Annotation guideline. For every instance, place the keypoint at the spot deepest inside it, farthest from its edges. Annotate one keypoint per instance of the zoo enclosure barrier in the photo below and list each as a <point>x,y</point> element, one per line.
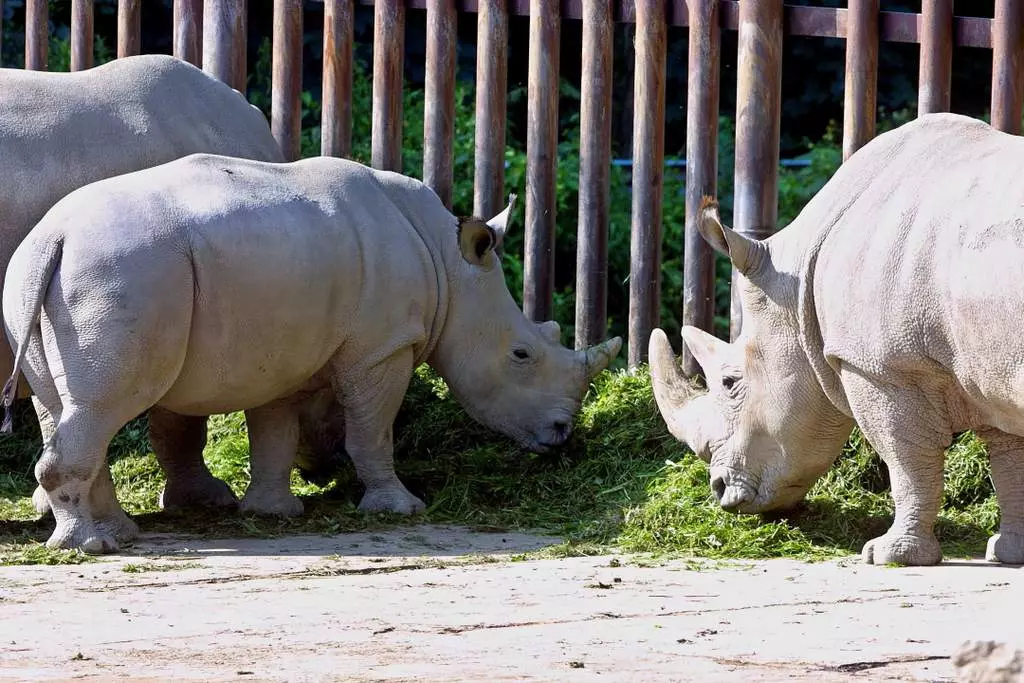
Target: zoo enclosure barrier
<point>212,34</point>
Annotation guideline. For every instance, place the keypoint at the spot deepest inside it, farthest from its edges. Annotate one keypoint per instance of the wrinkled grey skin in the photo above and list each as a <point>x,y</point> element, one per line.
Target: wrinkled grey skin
<point>893,301</point>
<point>243,285</point>
<point>60,131</point>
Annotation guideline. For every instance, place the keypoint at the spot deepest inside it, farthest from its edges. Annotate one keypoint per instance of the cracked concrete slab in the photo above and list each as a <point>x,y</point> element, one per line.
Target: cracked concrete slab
<point>448,604</point>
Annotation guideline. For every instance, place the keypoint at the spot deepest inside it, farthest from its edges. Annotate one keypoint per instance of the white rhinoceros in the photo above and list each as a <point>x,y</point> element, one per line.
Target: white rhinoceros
<point>213,284</point>
<point>60,131</point>
<point>893,301</point>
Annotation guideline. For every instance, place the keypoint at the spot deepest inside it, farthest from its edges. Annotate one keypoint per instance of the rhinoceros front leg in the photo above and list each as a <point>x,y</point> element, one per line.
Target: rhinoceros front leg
<point>178,442</point>
<point>108,515</point>
<point>1006,458</point>
<point>273,440</point>
<point>371,399</point>
<point>911,439</point>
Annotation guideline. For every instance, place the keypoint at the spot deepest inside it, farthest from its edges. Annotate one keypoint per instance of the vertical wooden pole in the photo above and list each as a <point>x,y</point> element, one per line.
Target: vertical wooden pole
<point>491,82</point>
<point>81,35</point>
<point>541,159</point>
<point>224,41</point>
<point>336,123</point>
<point>129,27</point>
<point>1008,65</point>
<point>701,167</point>
<point>388,68</point>
<point>936,31</point>
<point>758,124</point>
<point>286,79</point>
<point>648,176</point>
<point>37,34</point>
<point>187,34</point>
<point>861,75</point>
<point>595,177</point>
<point>439,98</point>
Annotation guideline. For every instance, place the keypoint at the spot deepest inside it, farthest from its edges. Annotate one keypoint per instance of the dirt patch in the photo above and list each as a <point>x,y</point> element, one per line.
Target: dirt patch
<point>447,604</point>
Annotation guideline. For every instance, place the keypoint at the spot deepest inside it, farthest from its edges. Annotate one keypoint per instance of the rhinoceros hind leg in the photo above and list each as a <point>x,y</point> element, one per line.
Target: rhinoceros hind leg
<point>273,439</point>
<point>1006,458</point>
<point>178,442</point>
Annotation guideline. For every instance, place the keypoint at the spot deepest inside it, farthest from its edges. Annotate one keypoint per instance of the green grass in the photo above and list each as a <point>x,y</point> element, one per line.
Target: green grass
<point>622,482</point>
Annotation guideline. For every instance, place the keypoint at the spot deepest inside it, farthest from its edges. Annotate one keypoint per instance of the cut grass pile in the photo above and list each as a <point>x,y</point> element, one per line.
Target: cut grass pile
<point>622,481</point>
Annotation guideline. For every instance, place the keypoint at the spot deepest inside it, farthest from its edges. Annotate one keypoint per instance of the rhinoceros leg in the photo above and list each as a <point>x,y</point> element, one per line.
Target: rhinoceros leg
<point>371,398</point>
<point>273,439</point>
<point>178,442</point>
<point>1006,458</point>
<point>108,515</point>
<point>911,439</point>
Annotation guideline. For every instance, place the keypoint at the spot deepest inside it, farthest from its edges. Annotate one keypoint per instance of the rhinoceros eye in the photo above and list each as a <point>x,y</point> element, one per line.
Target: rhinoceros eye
<point>728,383</point>
<point>521,354</point>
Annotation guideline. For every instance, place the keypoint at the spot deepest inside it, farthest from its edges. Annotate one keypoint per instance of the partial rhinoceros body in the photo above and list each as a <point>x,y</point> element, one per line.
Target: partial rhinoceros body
<point>894,302</point>
<point>60,131</point>
<point>213,284</point>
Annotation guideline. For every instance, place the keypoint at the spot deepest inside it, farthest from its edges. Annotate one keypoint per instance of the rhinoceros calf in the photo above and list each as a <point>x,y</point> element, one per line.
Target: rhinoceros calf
<point>894,300</point>
<point>60,131</point>
<point>213,284</point>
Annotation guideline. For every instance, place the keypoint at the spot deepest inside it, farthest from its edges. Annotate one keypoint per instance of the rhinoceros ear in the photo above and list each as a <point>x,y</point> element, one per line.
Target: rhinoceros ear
<point>477,241</point>
<point>744,252</point>
<point>500,222</point>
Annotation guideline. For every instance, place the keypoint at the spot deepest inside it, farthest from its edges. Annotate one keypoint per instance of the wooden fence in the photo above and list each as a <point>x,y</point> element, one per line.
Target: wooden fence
<point>212,34</point>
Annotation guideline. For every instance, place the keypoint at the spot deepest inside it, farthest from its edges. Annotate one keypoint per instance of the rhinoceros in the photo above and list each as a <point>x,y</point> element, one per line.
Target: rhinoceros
<point>213,284</point>
<point>60,131</point>
<point>894,302</point>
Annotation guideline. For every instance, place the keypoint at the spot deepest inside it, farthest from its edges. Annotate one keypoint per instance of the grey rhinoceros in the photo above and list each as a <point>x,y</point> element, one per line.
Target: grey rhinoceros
<point>213,284</point>
<point>60,131</point>
<point>894,301</point>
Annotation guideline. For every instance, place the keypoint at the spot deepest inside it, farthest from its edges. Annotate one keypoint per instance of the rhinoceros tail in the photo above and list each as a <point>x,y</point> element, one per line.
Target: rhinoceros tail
<point>35,284</point>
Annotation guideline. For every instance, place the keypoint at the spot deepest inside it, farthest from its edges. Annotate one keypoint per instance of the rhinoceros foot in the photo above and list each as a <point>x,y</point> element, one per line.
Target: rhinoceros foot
<point>391,498</point>
<point>119,525</point>
<point>1005,547</point>
<point>902,549</point>
<point>205,492</point>
<point>271,503</point>
<point>84,535</point>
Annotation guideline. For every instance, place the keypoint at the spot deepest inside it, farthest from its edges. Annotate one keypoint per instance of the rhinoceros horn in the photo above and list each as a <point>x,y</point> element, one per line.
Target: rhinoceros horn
<point>597,357</point>
<point>672,391</point>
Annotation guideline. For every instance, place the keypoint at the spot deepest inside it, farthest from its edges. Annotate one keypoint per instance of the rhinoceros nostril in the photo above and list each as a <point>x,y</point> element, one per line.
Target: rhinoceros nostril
<point>561,429</point>
<point>718,487</point>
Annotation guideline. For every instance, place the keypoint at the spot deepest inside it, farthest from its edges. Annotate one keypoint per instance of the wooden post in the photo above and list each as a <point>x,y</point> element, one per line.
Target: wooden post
<point>224,40</point>
<point>286,80</point>
<point>388,68</point>
<point>1008,65</point>
<point>861,75</point>
<point>541,159</point>
<point>758,123</point>
<point>129,27</point>
<point>595,177</point>
<point>648,176</point>
<point>37,34</point>
<point>336,122</point>
<point>439,98</point>
<point>936,31</point>
<point>491,75</point>
<point>81,35</point>
<point>701,167</point>
<point>187,34</point>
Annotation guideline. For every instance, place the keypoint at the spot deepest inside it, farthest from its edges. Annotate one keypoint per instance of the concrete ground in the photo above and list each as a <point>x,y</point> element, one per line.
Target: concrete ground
<point>446,604</point>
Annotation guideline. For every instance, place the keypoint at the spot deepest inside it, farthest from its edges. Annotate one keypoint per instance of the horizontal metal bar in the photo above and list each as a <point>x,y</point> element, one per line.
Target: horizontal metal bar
<point>820,22</point>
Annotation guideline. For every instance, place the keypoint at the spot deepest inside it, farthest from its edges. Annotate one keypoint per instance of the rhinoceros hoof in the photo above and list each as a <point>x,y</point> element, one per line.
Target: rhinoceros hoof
<point>41,501</point>
<point>118,525</point>
<point>392,499</point>
<point>271,505</point>
<point>1005,547</point>
<point>206,493</point>
<point>82,535</point>
<point>903,550</point>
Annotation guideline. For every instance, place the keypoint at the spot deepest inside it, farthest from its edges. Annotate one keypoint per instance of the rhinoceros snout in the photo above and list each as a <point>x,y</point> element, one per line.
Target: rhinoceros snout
<point>731,497</point>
